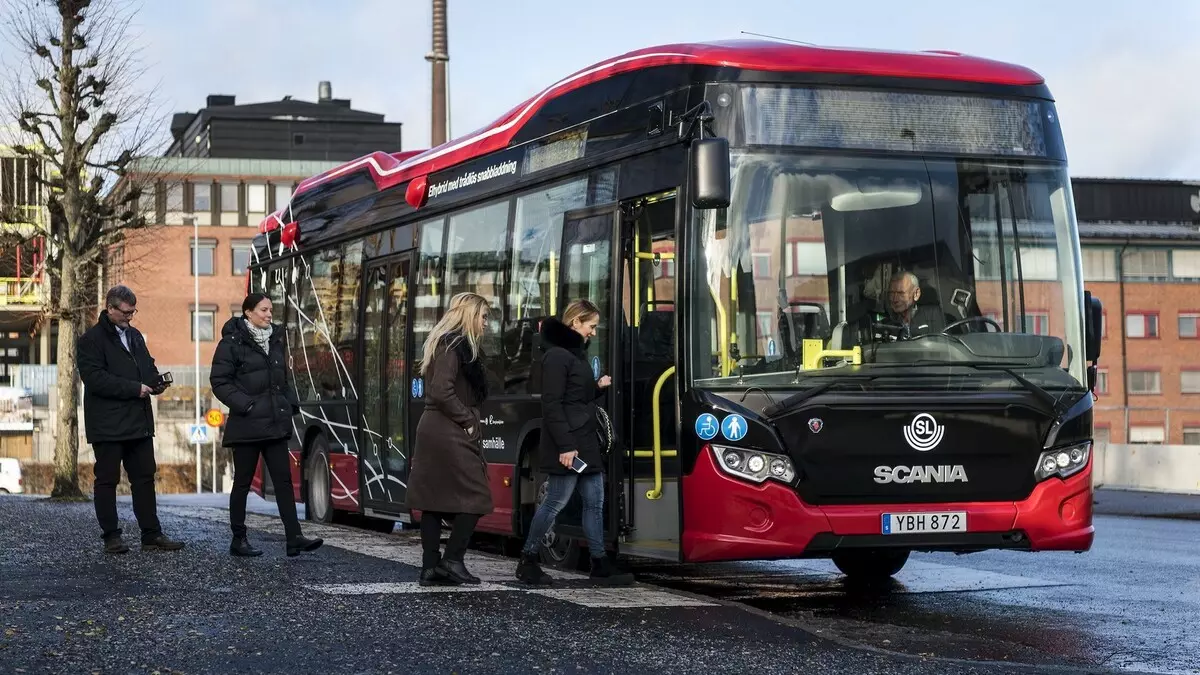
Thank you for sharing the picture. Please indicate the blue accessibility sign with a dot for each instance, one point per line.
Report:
(418, 387)
(596, 367)
(734, 427)
(772, 350)
(706, 427)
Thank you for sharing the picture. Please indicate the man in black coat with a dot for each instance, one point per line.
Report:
(119, 377)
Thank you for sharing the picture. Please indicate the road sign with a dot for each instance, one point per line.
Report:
(706, 426)
(214, 418)
(734, 427)
(198, 434)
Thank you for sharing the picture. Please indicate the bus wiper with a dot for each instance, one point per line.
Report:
(1039, 392)
(788, 404)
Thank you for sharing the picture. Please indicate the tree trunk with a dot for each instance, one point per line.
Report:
(70, 327)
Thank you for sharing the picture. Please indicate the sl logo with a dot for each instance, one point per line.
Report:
(923, 433)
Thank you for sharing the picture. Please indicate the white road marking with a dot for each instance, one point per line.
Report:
(496, 574)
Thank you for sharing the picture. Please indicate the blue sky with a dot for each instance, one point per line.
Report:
(1125, 73)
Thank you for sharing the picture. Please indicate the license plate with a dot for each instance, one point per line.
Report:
(924, 523)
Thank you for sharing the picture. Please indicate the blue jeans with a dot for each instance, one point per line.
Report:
(591, 489)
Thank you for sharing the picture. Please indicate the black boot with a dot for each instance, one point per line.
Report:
(160, 542)
(300, 543)
(114, 545)
(456, 571)
(436, 576)
(529, 572)
(606, 573)
(241, 547)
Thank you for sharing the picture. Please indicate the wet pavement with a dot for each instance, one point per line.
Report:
(354, 606)
(1132, 603)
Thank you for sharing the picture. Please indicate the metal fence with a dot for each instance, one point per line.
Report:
(42, 380)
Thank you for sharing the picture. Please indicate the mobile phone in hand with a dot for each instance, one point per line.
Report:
(165, 378)
(578, 465)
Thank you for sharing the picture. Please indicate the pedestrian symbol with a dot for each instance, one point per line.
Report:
(596, 367)
(198, 434)
(706, 427)
(734, 427)
(771, 349)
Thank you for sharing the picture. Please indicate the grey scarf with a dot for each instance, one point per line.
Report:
(261, 335)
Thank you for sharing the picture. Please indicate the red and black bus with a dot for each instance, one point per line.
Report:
(842, 295)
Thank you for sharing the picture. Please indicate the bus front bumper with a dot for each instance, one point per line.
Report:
(729, 519)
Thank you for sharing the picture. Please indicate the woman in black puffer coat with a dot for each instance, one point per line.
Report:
(250, 376)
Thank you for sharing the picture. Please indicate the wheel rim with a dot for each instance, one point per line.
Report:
(320, 489)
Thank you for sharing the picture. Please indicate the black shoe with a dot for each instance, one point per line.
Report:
(161, 543)
(457, 572)
(529, 572)
(605, 572)
(115, 546)
(434, 576)
(241, 547)
(300, 543)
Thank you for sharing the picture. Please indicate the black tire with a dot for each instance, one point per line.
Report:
(318, 502)
(562, 553)
(870, 565)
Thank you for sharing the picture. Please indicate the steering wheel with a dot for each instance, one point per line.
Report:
(972, 319)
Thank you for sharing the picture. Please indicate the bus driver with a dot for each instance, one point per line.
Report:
(903, 310)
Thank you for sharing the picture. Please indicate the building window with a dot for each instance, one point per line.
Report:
(1146, 434)
(762, 265)
(1145, 382)
(1189, 381)
(1141, 325)
(1103, 325)
(1145, 265)
(297, 139)
(1189, 325)
(1191, 435)
(1102, 381)
(201, 197)
(1099, 264)
(766, 324)
(1185, 264)
(201, 261)
(806, 258)
(283, 194)
(1039, 264)
(664, 269)
(1035, 323)
(175, 197)
(207, 319)
(256, 198)
(229, 197)
(477, 260)
(241, 257)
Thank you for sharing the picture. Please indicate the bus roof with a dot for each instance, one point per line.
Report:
(388, 170)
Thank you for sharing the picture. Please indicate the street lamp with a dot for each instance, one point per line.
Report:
(196, 331)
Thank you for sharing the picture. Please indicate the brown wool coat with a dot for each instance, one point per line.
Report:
(448, 472)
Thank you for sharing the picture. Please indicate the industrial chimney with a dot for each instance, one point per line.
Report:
(324, 92)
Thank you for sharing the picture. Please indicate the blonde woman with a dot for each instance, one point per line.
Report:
(448, 480)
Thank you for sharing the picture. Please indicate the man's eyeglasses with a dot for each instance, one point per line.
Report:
(121, 311)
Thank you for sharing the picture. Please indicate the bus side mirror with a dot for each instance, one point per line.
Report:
(708, 173)
(1093, 313)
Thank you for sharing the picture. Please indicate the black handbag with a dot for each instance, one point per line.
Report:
(604, 430)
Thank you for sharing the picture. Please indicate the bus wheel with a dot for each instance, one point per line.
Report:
(867, 565)
(563, 553)
(318, 505)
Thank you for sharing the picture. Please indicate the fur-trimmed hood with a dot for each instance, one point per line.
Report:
(558, 334)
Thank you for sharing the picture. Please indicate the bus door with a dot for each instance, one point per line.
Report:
(383, 469)
(589, 255)
(651, 468)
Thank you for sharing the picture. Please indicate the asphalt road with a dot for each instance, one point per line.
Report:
(1131, 604)
(354, 607)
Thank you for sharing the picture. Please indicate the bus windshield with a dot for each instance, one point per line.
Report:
(886, 263)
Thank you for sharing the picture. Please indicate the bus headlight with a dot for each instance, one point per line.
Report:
(754, 465)
(1063, 462)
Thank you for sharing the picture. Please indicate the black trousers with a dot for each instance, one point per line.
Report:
(138, 457)
(245, 461)
(461, 528)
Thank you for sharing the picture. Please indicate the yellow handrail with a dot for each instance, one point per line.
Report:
(656, 491)
(722, 336)
(637, 280)
(553, 285)
(812, 352)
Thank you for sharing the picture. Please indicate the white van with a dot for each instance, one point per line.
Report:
(10, 476)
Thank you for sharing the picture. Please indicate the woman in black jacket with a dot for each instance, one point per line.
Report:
(569, 394)
(250, 376)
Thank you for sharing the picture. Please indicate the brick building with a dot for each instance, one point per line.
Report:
(227, 198)
(1141, 257)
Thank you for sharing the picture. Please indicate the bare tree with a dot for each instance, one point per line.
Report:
(78, 110)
